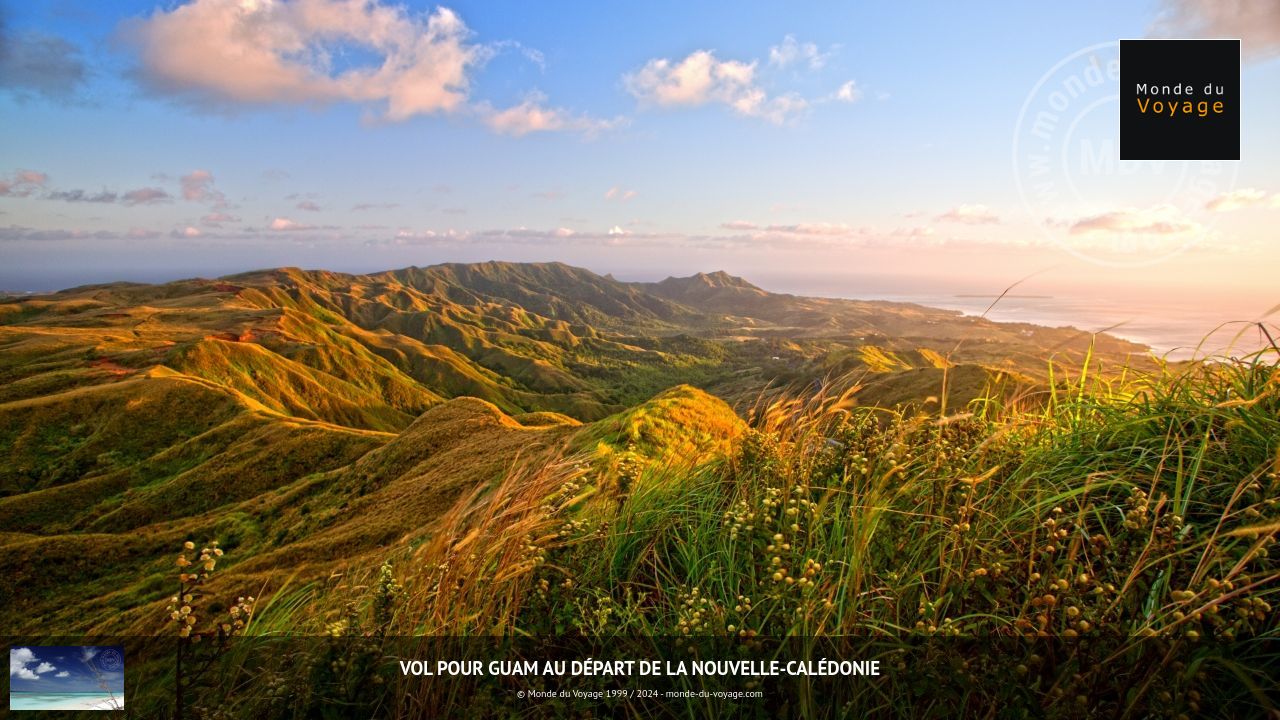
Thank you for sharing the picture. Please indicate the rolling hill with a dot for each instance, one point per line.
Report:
(307, 419)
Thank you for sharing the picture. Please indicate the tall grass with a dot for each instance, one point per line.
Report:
(1118, 480)
(1141, 505)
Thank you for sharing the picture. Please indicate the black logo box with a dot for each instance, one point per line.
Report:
(1186, 65)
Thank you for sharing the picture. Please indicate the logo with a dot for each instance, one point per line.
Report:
(1180, 99)
(110, 659)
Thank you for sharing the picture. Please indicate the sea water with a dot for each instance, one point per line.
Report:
(1176, 325)
(65, 701)
(1173, 331)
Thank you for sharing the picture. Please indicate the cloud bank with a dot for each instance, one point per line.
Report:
(268, 52)
(293, 52)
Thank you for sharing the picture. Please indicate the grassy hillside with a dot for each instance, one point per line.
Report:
(374, 351)
(1139, 514)
(532, 450)
(1163, 482)
(281, 408)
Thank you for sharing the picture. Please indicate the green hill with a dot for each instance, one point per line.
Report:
(308, 419)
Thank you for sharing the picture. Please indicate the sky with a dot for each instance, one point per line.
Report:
(66, 669)
(850, 149)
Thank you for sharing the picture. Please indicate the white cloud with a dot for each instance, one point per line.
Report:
(273, 52)
(791, 52)
(701, 78)
(19, 659)
(1157, 220)
(1255, 22)
(63, 673)
(288, 224)
(270, 52)
(285, 224)
(532, 115)
(617, 193)
(617, 231)
(44, 667)
(970, 215)
(1242, 198)
(190, 232)
(849, 92)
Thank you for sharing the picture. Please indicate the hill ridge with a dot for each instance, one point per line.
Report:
(308, 417)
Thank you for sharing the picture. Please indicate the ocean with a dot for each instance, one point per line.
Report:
(1174, 331)
(65, 701)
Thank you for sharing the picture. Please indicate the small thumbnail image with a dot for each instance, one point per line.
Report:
(66, 677)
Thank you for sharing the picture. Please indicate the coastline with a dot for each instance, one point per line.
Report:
(65, 701)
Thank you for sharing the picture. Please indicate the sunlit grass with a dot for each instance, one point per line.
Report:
(1141, 504)
(1119, 507)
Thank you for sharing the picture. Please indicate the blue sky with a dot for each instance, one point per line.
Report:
(64, 669)
(869, 141)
